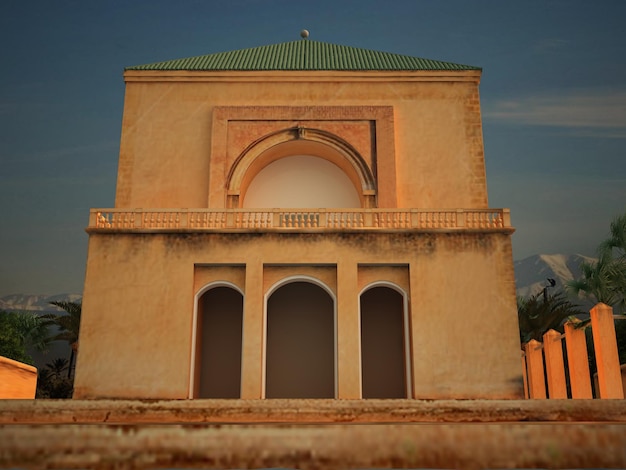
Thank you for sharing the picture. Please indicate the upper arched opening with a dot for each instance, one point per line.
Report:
(326, 157)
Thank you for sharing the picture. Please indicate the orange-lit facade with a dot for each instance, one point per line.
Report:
(300, 234)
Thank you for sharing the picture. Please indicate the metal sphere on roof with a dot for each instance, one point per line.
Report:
(304, 34)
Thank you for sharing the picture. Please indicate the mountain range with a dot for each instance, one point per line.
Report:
(532, 273)
(39, 303)
(531, 276)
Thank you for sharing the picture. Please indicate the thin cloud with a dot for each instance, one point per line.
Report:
(550, 45)
(592, 113)
(58, 153)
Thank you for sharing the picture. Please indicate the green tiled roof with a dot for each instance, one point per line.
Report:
(304, 54)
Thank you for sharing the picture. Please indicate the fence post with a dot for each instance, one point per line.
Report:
(577, 361)
(605, 345)
(536, 376)
(555, 368)
(525, 375)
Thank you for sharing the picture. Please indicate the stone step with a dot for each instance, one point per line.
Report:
(312, 434)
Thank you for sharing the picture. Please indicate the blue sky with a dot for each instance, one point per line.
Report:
(553, 97)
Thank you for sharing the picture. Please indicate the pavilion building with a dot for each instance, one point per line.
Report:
(300, 220)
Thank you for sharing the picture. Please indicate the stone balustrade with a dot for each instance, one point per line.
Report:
(297, 220)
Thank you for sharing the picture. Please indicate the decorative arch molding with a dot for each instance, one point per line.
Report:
(300, 141)
(391, 285)
(299, 278)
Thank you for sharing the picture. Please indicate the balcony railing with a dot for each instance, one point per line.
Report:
(296, 220)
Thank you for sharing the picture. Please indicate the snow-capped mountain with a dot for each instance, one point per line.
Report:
(35, 302)
(531, 273)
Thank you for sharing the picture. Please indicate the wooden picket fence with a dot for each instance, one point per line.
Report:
(545, 372)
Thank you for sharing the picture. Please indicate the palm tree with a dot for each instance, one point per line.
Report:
(21, 331)
(57, 367)
(615, 245)
(605, 279)
(539, 313)
(68, 325)
(599, 280)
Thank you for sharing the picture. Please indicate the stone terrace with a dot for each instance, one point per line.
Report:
(313, 434)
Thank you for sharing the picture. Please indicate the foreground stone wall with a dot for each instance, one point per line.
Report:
(17, 380)
(312, 434)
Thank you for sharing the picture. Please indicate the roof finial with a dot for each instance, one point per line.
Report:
(304, 34)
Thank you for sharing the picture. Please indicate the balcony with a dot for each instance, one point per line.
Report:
(301, 220)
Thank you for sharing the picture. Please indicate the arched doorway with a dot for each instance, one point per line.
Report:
(300, 343)
(384, 371)
(218, 350)
(301, 181)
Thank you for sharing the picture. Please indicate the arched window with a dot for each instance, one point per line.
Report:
(301, 181)
(384, 368)
(302, 158)
(219, 342)
(300, 344)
